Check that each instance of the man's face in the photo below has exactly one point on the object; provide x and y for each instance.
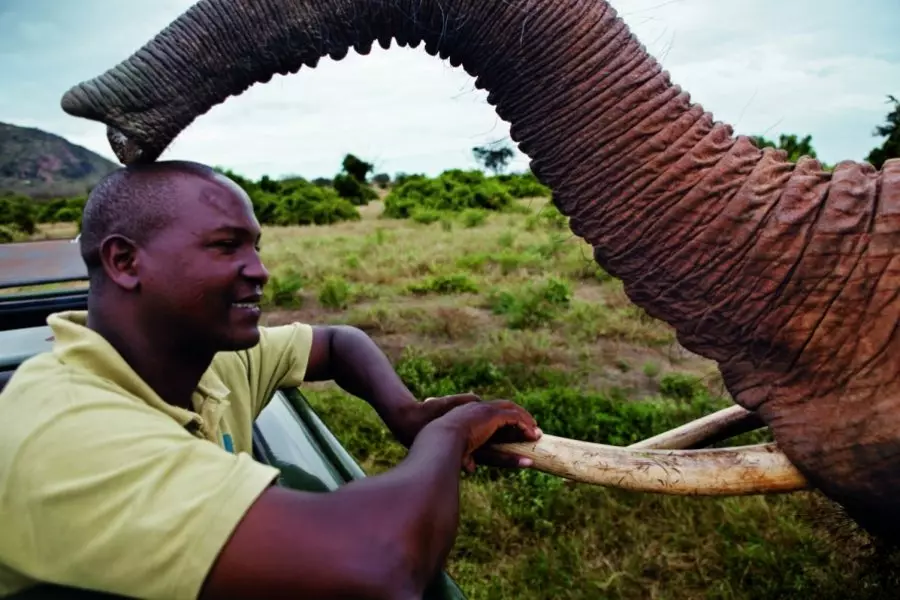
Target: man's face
(201, 276)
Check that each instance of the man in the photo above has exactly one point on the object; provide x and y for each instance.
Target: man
(124, 452)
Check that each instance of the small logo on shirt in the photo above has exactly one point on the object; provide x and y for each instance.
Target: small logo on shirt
(227, 442)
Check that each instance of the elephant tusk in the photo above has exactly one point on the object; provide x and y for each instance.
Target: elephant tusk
(704, 431)
(746, 470)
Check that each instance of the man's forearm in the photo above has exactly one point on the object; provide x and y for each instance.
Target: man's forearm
(361, 368)
(380, 537)
(430, 478)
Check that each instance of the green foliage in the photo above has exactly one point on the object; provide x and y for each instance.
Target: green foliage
(549, 217)
(352, 189)
(294, 201)
(891, 146)
(426, 216)
(533, 306)
(454, 283)
(452, 191)
(283, 290)
(493, 159)
(473, 217)
(681, 386)
(335, 293)
(524, 185)
(356, 168)
(351, 183)
(8, 234)
(382, 180)
(19, 213)
(790, 143)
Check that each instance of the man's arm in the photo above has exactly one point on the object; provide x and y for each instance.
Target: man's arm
(383, 537)
(353, 361)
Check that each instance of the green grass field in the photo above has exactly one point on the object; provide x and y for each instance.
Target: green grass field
(512, 305)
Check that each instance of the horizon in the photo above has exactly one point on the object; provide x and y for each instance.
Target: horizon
(818, 69)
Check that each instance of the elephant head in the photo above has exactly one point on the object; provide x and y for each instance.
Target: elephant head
(785, 274)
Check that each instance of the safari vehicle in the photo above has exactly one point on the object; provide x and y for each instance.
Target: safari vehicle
(288, 433)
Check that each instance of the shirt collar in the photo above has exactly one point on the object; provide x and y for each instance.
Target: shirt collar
(76, 344)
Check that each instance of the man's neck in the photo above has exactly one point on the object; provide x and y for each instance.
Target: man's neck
(170, 371)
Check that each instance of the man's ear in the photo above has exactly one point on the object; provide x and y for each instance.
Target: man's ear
(118, 255)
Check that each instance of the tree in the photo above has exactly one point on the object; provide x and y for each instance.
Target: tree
(382, 180)
(357, 169)
(891, 146)
(794, 147)
(493, 159)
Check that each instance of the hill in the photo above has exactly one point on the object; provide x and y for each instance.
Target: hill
(43, 165)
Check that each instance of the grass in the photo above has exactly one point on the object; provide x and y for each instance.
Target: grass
(512, 305)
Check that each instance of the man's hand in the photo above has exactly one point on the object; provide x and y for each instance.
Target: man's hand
(409, 420)
(486, 423)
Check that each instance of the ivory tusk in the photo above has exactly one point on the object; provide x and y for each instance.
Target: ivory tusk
(704, 431)
(757, 469)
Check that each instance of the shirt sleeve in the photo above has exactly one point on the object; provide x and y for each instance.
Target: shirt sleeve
(112, 496)
(280, 359)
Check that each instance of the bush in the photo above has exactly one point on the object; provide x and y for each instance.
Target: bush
(457, 283)
(474, 217)
(18, 213)
(535, 306)
(453, 191)
(425, 216)
(295, 201)
(283, 290)
(353, 190)
(8, 234)
(524, 185)
(335, 293)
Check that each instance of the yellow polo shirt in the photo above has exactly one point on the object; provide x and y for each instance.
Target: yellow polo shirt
(105, 486)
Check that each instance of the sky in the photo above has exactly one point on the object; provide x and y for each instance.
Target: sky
(819, 67)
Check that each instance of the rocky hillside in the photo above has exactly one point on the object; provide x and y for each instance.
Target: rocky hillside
(43, 165)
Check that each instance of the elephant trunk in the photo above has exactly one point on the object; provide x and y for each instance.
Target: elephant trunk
(770, 268)
(604, 126)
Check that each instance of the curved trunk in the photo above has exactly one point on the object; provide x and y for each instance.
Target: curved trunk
(768, 267)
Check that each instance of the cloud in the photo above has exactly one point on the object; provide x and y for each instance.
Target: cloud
(766, 67)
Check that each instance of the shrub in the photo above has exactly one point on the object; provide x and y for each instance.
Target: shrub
(335, 293)
(535, 306)
(425, 215)
(295, 201)
(352, 189)
(524, 185)
(283, 290)
(18, 213)
(474, 217)
(457, 283)
(8, 234)
(454, 190)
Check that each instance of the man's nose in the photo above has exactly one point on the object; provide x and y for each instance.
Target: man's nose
(255, 269)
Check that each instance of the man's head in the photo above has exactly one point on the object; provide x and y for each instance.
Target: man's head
(173, 246)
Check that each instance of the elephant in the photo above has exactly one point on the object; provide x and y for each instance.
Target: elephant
(785, 274)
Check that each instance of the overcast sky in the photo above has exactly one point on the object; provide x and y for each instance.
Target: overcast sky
(822, 67)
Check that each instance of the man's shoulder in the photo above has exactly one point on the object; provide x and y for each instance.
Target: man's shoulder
(44, 389)
(273, 340)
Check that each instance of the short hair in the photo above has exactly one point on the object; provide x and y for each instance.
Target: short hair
(135, 201)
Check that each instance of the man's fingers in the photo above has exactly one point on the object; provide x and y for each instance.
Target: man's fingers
(515, 426)
(522, 414)
(503, 460)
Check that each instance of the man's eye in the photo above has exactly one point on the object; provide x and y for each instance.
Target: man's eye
(227, 243)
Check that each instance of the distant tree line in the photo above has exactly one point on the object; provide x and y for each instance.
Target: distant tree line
(321, 201)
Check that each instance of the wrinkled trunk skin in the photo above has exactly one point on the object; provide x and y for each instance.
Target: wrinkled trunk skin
(784, 274)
